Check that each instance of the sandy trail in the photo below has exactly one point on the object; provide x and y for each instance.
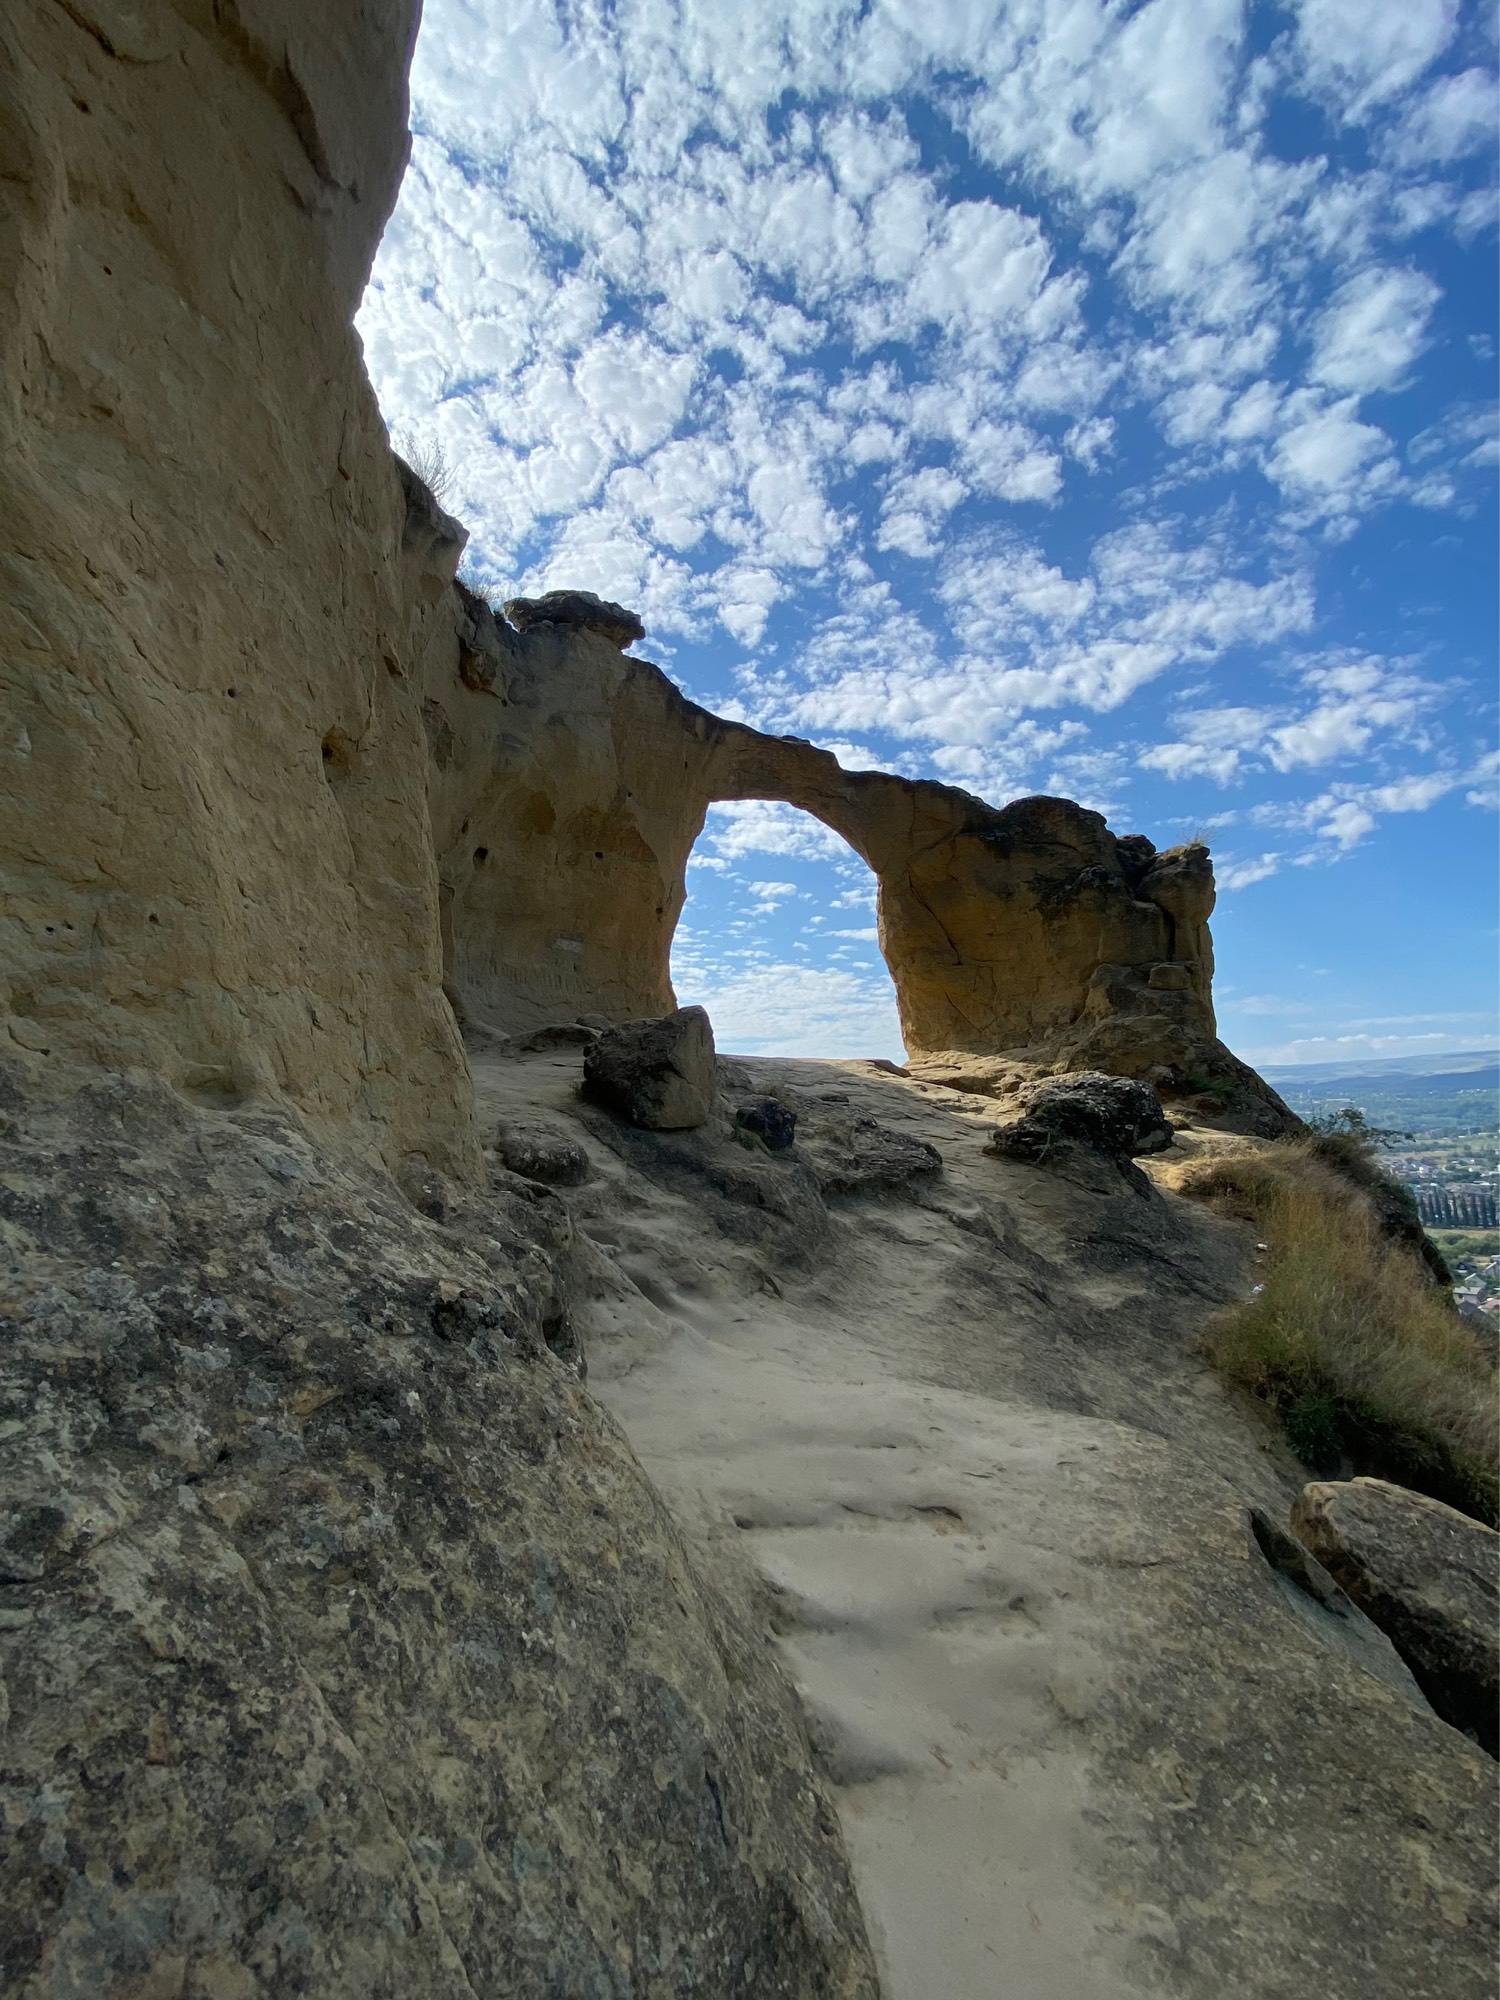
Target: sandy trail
(956, 1453)
(938, 1555)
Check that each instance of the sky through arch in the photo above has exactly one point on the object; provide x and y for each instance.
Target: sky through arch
(777, 938)
(1034, 394)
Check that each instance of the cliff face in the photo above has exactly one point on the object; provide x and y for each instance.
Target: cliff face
(212, 801)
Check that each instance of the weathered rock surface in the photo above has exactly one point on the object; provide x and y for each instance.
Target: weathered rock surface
(564, 822)
(854, 1155)
(579, 609)
(657, 1074)
(1087, 1714)
(1113, 1113)
(541, 1150)
(344, 1649)
(215, 851)
(1073, 1124)
(1429, 1577)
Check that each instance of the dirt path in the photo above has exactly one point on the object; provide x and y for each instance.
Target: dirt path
(967, 1460)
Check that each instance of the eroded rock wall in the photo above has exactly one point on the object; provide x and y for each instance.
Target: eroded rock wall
(570, 781)
(215, 859)
(344, 1648)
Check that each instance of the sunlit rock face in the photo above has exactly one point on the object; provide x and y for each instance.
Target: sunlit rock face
(567, 795)
(213, 819)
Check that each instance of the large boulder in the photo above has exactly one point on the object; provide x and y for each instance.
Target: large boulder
(581, 610)
(658, 1074)
(538, 1150)
(1112, 1115)
(1428, 1576)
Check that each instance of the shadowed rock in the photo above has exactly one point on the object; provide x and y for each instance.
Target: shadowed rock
(656, 1074)
(580, 610)
(769, 1121)
(541, 1151)
(1429, 1577)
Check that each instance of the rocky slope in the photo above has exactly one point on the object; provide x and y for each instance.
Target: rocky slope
(1094, 1721)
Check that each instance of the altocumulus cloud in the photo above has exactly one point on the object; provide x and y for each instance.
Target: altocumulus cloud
(1011, 384)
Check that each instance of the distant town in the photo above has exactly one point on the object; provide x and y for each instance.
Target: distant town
(1440, 1121)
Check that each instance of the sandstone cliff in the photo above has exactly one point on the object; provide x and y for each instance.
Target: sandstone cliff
(212, 808)
(344, 1649)
(571, 780)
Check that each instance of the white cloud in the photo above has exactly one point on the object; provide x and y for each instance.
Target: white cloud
(739, 827)
(790, 1009)
(1358, 53)
(1355, 700)
(1372, 330)
(1330, 460)
(1455, 116)
(1233, 872)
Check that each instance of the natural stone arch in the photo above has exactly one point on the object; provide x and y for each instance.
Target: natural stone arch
(570, 781)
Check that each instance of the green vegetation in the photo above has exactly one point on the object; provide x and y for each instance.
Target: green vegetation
(1348, 1338)
(1462, 1245)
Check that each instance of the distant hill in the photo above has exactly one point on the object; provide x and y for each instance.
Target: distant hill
(1467, 1062)
(1457, 1093)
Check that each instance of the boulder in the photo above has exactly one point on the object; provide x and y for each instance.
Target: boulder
(540, 1151)
(1113, 1115)
(658, 1074)
(768, 1120)
(581, 610)
(1428, 1576)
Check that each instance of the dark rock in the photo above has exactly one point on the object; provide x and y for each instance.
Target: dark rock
(770, 1122)
(1114, 1115)
(1429, 1577)
(539, 1151)
(484, 643)
(579, 609)
(657, 1074)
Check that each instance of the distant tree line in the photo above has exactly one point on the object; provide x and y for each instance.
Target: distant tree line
(1456, 1208)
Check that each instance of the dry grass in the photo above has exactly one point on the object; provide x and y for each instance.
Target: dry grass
(1349, 1339)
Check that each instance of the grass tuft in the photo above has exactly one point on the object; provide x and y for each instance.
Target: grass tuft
(1348, 1339)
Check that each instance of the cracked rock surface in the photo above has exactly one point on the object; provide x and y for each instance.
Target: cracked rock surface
(344, 1649)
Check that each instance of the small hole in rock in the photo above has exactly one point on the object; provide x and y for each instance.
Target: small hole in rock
(480, 854)
(153, 918)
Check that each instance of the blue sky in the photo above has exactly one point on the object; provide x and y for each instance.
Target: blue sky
(1040, 395)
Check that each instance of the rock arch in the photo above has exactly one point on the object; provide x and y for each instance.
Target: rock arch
(570, 780)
